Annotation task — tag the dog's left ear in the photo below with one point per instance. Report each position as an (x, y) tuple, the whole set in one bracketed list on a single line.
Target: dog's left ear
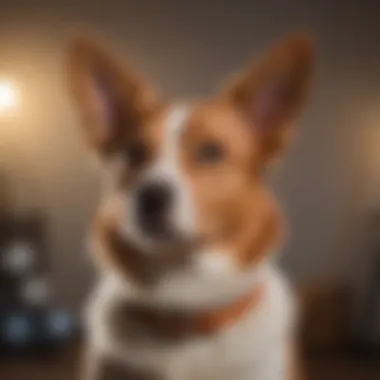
[(271, 93), (112, 98)]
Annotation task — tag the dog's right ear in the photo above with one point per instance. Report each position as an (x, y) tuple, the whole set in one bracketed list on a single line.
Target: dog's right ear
[(113, 100)]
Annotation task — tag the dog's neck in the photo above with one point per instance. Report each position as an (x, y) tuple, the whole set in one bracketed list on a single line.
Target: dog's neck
[(191, 301)]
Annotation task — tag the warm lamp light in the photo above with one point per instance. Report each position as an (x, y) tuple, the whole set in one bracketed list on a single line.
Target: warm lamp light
[(8, 96)]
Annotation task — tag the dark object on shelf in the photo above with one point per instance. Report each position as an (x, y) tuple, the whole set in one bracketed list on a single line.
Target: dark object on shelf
[(30, 321), (325, 317), (367, 336), (24, 275), (28, 330)]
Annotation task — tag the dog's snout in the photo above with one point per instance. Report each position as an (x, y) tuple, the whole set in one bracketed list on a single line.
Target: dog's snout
[(153, 202)]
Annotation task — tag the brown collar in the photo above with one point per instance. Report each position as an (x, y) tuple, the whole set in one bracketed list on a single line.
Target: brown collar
[(180, 324)]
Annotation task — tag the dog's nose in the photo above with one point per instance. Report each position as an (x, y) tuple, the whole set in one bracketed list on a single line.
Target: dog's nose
[(153, 202)]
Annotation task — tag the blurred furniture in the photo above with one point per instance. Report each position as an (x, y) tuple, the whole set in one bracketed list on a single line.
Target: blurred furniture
[(325, 316), (30, 319), (367, 335)]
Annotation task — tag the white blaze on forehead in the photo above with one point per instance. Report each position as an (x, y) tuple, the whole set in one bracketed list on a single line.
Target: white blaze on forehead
[(173, 128), (168, 168), (167, 165)]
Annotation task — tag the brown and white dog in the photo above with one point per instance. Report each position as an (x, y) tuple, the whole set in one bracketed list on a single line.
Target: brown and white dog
[(187, 231)]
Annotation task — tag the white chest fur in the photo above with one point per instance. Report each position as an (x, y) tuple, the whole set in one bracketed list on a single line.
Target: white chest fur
[(253, 348)]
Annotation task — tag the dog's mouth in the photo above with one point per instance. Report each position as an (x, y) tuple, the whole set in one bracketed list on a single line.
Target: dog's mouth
[(145, 269), (156, 226), (157, 235)]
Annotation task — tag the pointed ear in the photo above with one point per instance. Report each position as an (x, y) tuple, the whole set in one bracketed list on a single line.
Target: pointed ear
[(271, 93), (113, 100)]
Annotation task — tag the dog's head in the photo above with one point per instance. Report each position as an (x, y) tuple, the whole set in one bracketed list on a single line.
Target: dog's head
[(182, 174)]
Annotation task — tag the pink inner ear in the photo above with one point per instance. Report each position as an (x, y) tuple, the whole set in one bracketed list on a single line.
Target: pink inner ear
[(267, 106), (104, 108)]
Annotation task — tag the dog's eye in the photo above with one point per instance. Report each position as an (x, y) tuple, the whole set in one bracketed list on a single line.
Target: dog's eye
[(137, 154), (209, 152)]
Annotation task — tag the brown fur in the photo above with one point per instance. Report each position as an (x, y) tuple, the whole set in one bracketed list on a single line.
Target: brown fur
[(236, 211)]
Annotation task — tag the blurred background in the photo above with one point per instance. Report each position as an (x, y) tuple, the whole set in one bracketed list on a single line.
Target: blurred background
[(329, 183)]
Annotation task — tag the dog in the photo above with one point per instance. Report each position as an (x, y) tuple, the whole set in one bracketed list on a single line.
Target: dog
[(187, 231)]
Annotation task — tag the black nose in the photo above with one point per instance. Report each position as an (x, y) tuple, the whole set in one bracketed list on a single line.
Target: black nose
[(153, 202)]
